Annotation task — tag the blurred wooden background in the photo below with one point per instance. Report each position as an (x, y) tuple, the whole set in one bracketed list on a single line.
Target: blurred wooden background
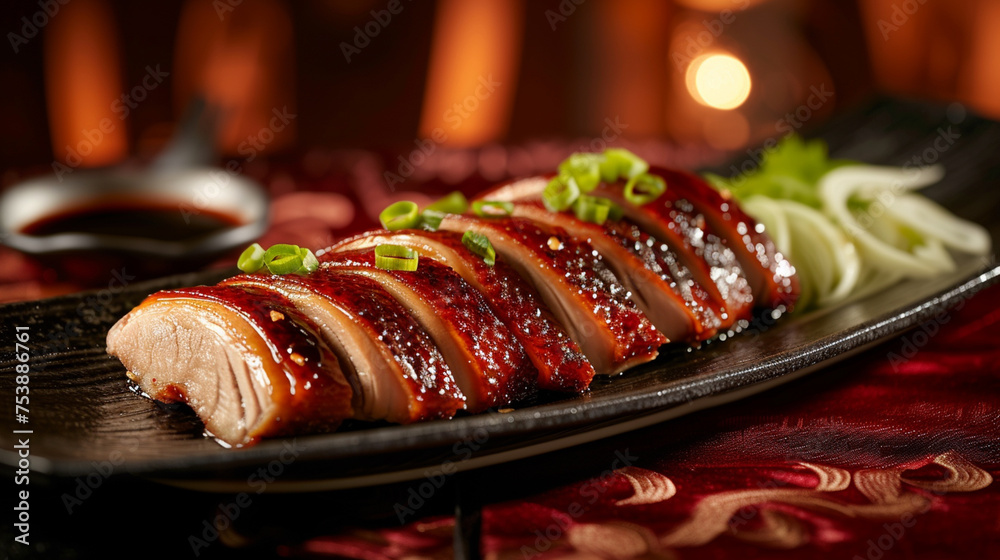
[(389, 73)]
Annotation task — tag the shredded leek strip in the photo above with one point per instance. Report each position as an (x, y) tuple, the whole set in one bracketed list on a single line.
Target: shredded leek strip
[(836, 188), (839, 263), (933, 221), (850, 229)]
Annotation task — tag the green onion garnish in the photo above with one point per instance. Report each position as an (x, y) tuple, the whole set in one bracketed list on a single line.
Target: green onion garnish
[(480, 245), (644, 188), (283, 258), (252, 259), (400, 215), (309, 262), (431, 219), (620, 163), (452, 203), (396, 257), (560, 193), (593, 209), (585, 168), (492, 208), (279, 259), (615, 212)]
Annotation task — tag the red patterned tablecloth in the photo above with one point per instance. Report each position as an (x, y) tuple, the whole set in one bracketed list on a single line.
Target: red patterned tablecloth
[(891, 454)]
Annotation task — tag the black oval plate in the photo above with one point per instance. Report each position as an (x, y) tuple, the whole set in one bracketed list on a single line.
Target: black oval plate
[(82, 412)]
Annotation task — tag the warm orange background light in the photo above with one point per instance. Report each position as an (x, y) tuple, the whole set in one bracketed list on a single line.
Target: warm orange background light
[(241, 62), (472, 42), (82, 82)]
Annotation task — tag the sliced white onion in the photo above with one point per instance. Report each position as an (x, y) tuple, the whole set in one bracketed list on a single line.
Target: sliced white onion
[(827, 262), (933, 221), (875, 178), (844, 258), (836, 188)]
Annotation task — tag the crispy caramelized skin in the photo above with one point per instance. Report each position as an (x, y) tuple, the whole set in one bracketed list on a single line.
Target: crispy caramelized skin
[(576, 284), (490, 366), (560, 363), (771, 276), (397, 372), (659, 284), (245, 360), (671, 220), (263, 355)]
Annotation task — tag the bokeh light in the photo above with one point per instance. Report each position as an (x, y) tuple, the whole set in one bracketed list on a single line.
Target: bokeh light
[(720, 81)]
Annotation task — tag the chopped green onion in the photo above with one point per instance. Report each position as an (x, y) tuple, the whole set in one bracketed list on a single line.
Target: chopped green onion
[(452, 203), (396, 257), (492, 208), (309, 262), (480, 245), (585, 168), (282, 258), (593, 209), (620, 163), (644, 188), (431, 219), (560, 193), (252, 259), (400, 215), (615, 212)]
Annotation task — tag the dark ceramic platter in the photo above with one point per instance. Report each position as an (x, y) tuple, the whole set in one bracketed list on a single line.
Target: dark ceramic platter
[(82, 410)]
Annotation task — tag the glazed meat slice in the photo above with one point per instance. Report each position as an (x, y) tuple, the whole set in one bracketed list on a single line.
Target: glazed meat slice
[(560, 363), (771, 276), (578, 287), (660, 285), (490, 366), (247, 362), (674, 222), (396, 371)]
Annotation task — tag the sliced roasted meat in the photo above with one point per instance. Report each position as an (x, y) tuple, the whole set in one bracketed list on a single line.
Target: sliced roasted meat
[(490, 366), (578, 287), (673, 221), (658, 283), (247, 362), (397, 372), (560, 363), (771, 276)]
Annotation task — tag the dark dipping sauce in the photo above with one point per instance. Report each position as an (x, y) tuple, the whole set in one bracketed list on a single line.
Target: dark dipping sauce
[(151, 220)]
